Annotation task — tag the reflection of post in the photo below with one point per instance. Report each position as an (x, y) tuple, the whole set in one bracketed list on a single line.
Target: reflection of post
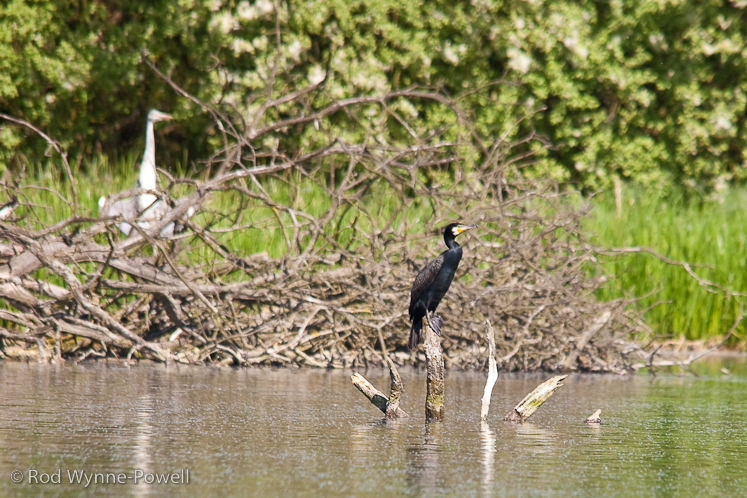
[(144, 411), (360, 439), (487, 437), (363, 437), (434, 399), (422, 462)]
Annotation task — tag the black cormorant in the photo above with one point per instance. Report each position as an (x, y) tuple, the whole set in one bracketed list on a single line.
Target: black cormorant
[(432, 282)]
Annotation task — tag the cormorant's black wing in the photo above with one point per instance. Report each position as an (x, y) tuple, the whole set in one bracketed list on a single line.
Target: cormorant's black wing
[(424, 279)]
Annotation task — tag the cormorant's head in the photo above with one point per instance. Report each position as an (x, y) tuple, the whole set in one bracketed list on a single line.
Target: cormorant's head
[(454, 229), (154, 116)]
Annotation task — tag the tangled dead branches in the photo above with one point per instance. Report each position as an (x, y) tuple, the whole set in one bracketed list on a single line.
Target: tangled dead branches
[(313, 219)]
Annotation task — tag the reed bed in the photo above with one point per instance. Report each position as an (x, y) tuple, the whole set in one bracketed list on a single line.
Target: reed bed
[(706, 231)]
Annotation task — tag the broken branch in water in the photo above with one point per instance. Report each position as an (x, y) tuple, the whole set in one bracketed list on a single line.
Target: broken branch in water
[(395, 392), (492, 372), (534, 400), (388, 405), (594, 417)]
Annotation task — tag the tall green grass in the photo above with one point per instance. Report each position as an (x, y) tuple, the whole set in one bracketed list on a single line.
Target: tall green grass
[(710, 232), (262, 233)]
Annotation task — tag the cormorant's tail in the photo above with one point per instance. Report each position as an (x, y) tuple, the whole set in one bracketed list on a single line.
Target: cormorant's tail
[(415, 329)]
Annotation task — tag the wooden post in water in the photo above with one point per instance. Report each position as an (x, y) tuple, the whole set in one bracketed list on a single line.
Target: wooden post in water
[(434, 399), (534, 400), (492, 372)]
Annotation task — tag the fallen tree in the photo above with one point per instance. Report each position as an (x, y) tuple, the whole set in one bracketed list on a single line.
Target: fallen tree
[(341, 203)]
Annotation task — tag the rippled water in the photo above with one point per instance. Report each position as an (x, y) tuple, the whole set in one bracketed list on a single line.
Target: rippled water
[(311, 433)]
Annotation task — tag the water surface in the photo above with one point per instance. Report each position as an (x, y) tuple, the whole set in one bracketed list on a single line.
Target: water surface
[(262, 432)]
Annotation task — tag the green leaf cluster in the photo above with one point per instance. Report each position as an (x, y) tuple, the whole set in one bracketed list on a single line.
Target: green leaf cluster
[(649, 91)]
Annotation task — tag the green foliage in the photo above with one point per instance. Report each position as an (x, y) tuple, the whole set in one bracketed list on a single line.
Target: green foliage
[(649, 91), (710, 233)]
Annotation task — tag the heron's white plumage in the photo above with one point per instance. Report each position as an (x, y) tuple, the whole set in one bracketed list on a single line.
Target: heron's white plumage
[(126, 208), (148, 178), (8, 208), (146, 209)]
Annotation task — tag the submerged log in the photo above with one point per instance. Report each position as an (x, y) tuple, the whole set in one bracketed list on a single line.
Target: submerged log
[(434, 399), (492, 371), (388, 405), (534, 400), (594, 417)]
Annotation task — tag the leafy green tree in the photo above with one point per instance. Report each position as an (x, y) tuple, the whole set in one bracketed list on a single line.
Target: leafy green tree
[(647, 91)]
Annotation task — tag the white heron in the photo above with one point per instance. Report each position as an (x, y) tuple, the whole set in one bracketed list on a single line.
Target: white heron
[(8, 208), (146, 209)]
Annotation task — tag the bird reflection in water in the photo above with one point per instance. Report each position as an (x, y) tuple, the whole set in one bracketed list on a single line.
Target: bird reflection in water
[(423, 469)]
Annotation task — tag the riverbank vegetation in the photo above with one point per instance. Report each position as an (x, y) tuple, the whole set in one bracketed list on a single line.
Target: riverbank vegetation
[(705, 230), (305, 254), (652, 92), (323, 146)]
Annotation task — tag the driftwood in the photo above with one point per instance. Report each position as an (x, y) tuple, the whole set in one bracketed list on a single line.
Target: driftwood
[(652, 364), (434, 364), (594, 417), (388, 405), (534, 400), (492, 372)]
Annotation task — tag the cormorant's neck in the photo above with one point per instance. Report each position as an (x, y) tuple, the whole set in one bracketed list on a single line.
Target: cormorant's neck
[(451, 242), (148, 178)]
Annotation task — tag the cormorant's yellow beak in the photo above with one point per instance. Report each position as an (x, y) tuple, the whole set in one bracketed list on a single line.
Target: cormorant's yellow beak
[(464, 228)]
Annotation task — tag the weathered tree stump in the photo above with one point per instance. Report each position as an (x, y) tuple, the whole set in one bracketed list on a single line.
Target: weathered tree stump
[(388, 405), (434, 399), (594, 417), (395, 392), (492, 371), (534, 400)]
